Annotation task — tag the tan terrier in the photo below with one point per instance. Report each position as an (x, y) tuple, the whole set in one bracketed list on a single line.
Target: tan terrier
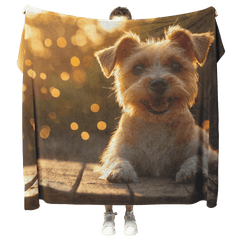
[(156, 82)]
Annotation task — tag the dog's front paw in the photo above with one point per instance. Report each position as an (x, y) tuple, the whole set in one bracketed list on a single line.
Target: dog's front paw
[(188, 170), (121, 172)]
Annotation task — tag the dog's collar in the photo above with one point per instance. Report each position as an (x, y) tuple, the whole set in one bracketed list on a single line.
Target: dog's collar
[(146, 103)]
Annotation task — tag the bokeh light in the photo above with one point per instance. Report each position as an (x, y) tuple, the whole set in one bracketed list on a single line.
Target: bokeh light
[(64, 76), (75, 61), (55, 92), (74, 126), (24, 87), (28, 62), (101, 125), (43, 76), (45, 131), (62, 42), (31, 73), (95, 107), (85, 136), (44, 90), (79, 39), (48, 42)]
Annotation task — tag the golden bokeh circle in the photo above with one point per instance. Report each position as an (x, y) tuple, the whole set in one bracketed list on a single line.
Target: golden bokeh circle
[(95, 107), (75, 61), (101, 125), (62, 42), (43, 90), (31, 73), (43, 76), (48, 42), (55, 92), (85, 136), (74, 126), (28, 62), (64, 76), (45, 131)]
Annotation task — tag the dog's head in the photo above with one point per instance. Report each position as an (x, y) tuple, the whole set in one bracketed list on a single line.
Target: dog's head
[(156, 77)]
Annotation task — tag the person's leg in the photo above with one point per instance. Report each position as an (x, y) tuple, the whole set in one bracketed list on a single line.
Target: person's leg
[(129, 208), (130, 225), (108, 208), (108, 227)]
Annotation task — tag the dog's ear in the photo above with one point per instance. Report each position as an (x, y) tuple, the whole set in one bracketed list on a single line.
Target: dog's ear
[(110, 57), (196, 45)]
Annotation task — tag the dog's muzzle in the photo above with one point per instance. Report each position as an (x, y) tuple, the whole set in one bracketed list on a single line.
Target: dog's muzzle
[(159, 85), (147, 104)]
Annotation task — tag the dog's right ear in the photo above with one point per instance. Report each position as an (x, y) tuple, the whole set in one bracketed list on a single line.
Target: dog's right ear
[(110, 57)]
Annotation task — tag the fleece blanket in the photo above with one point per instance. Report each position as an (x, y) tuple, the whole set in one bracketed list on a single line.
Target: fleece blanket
[(69, 110)]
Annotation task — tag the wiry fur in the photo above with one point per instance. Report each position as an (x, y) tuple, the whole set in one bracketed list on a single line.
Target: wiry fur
[(156, 135)]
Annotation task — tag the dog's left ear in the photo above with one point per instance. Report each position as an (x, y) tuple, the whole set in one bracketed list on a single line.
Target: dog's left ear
[(196, 45)]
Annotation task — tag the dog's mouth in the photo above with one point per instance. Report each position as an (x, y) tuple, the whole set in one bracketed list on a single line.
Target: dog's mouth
[(157, 108)]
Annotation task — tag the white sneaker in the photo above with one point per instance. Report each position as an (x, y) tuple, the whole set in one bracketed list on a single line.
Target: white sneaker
[(130, 226), (108, 227)]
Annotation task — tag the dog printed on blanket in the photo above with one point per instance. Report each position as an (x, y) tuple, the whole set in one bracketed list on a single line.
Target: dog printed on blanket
[(156, 82)]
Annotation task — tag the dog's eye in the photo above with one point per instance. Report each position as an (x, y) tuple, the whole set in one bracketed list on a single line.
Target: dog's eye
[(138, 69), (176, 67)]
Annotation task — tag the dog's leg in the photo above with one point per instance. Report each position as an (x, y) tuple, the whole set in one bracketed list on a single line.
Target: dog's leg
[(119, 171), (188, 170)]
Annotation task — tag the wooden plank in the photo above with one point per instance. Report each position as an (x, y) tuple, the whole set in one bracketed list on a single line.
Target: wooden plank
[(93, 190), (159, 191), (57, 180), (31, 200)]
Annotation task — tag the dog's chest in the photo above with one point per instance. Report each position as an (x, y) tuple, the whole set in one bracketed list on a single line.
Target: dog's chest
[(155, 141)]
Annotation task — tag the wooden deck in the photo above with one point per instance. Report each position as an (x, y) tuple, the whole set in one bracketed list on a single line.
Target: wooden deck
[(77, 183)]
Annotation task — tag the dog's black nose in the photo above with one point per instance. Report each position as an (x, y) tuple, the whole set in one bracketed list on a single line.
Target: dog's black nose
[(159, 85)]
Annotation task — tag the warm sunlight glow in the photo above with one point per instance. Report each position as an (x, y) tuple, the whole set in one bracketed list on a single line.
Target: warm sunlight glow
[(112, 25), (79, 39)]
